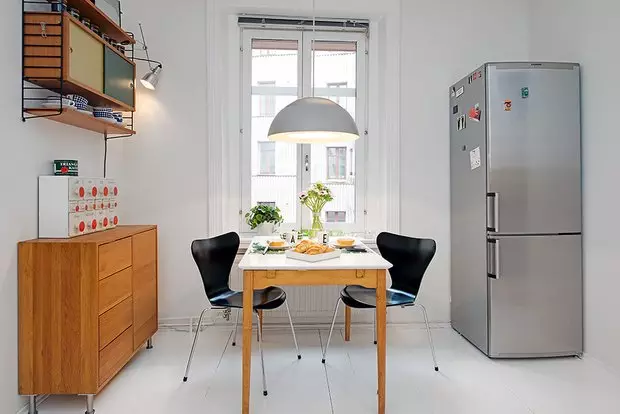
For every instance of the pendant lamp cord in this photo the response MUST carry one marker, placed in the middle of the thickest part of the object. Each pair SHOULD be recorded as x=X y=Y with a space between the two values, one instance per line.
x=313 y=45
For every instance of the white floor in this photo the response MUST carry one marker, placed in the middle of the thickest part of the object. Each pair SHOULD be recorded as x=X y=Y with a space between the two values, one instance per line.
x=468 y=383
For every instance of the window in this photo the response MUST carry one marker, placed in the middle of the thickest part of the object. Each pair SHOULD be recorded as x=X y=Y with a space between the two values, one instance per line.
x=267 y=157
x=277 y=69
x=336 y=85
x=267 y=103
x=336 y=163
x=336 y=216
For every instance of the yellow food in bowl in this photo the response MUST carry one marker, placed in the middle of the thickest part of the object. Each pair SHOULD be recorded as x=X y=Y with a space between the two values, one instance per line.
x=276 y=243
x=346 y=242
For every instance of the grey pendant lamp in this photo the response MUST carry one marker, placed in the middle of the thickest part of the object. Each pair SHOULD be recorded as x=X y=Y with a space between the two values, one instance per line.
x=313 y=120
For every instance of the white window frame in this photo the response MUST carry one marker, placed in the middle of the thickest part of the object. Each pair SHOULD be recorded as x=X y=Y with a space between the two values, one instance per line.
x=304 y=88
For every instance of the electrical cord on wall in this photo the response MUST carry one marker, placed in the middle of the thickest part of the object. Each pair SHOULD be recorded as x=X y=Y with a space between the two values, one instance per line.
x=105 y=156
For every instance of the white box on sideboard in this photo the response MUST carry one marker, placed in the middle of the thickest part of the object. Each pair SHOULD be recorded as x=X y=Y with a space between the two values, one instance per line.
x=73 y=206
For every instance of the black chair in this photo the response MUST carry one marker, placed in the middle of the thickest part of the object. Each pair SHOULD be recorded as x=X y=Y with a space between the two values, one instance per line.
x=214 y=258
x=410 y=258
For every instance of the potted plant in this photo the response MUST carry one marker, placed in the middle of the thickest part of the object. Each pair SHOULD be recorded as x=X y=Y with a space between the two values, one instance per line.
x=264 y=219
x=315 y=199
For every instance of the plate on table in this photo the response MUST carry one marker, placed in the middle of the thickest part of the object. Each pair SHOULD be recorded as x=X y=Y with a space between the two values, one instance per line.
x=278 y=245
x=345 y=243
x=313 y=257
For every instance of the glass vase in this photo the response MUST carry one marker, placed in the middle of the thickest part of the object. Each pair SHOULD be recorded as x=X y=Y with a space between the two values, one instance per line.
x=317 y=224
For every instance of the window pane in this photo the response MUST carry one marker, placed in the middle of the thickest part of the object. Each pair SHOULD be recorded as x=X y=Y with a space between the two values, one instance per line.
x=267 y=157
x=274 y=164
x=335 y=79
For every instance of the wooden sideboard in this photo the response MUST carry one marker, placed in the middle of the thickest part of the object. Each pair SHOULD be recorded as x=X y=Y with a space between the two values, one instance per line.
x=86 y=306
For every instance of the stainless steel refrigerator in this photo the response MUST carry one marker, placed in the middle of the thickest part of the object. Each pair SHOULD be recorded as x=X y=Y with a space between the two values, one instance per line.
x=515 y=170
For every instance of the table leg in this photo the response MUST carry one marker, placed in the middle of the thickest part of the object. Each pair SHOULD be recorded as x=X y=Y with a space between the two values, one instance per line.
x=347 y=323
x=381 y=339
x=248 y=291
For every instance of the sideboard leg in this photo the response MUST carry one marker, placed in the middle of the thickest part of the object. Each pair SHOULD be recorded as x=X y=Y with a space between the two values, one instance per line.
x=90 y=403
x=32 y=404
x=149 y=343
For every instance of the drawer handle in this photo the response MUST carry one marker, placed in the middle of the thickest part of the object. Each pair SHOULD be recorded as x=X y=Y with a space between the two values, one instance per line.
x=271 y=274
x=43 y=29
x=360 y=274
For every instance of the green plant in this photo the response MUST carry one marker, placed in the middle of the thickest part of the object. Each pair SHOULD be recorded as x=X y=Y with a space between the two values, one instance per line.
x=263 y=214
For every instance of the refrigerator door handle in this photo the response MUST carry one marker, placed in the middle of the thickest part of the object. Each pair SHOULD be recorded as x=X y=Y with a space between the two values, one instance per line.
x=493 y=258
x=493 y=212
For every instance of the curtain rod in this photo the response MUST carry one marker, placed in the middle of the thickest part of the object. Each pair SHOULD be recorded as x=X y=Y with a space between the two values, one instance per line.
x=302 y=23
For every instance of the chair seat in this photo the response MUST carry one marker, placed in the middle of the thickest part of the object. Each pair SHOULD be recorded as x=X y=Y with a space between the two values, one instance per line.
x=360 y=297
x=264 y=299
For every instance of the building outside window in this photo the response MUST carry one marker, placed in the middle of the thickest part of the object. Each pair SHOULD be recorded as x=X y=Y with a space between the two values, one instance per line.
x=267 y=103
x=267 y=157
x=336 y=216
x=336 y=163
x=336 y=85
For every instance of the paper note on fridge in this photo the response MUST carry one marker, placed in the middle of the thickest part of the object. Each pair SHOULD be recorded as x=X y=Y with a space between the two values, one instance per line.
x=474 y=158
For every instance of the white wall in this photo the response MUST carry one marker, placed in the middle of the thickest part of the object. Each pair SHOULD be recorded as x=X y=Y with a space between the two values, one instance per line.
x=166 y=163
x=588 y=33
x=26 y=151
x=442 y=42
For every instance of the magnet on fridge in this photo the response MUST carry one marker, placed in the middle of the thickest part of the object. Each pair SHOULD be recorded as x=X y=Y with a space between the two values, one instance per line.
x=453 y=93
x=507 y=105
x=475 y=113
x=460 y=91
x=461 y=123
x=525 y=92
x=455 y=109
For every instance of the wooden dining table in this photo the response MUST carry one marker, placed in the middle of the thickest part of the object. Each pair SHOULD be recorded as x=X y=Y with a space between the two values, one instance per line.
x=260 y=271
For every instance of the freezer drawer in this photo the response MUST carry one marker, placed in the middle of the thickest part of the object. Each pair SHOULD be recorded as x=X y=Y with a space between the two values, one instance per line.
x=535 y=299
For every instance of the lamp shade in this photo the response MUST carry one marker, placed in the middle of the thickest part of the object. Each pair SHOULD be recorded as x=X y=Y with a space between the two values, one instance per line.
x=151 y=79
x=313 y=121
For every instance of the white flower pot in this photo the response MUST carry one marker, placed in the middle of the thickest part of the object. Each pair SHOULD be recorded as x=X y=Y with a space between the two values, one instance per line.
x=265 y=229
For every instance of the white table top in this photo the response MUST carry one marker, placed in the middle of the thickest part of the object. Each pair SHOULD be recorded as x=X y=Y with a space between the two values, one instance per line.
x=257 y=261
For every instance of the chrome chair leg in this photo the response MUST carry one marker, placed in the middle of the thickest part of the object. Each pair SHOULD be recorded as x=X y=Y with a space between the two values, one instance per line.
x=331 y=330
x=290 y=320
x=260 y=347
x=374 y=326
x=430 y=337
x=191 y=353
x=234 y=342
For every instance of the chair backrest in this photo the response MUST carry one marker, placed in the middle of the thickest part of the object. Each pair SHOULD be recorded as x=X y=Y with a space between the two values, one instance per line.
x=410 y=258
x=215 y=258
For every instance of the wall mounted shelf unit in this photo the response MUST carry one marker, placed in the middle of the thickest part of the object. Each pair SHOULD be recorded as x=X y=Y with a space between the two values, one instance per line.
x=62 y=55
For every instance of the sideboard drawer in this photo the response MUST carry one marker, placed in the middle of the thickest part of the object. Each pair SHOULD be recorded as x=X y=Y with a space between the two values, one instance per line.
x=114 y=257
x=114 y=356
x=114 y=289
x=115 y=321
